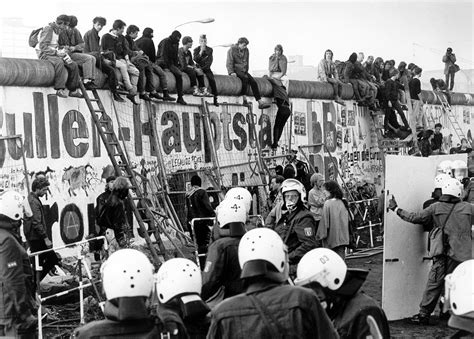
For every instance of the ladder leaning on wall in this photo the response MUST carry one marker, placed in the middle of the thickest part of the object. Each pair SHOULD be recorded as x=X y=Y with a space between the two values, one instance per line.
x=121 y=165
x=451 y=116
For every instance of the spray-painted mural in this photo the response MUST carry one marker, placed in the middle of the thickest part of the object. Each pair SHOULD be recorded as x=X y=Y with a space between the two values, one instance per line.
x=61 y=142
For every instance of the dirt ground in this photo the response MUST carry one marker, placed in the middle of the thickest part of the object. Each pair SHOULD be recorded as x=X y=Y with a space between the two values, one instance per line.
x=398 y=329
x=65 y=317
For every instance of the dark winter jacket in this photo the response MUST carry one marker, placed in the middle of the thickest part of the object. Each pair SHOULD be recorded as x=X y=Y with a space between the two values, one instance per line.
x=124 y=318
x=117 y=44
x=437 y=141
x=34 y=227
x=457 y=228
x=415 y=88
x=91 y=41
x=99 y=207
x=222 y=268
x=298 y=231
x=147 y=45
x=16 y=278
x=204 y=60
x=297 y=313
x=237 y=60
x=197 y=201
x=192 y=326
x=391 y=89
x=168 y=51
x=185 y=59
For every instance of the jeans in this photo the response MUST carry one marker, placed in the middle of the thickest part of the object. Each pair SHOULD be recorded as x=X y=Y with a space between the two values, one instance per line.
x=193 y=76
x=60 y=71
x=212 y=81
x=87 y=63
x=179 y=79
x=246 y=78
x=337 y=87
x=145 y=78
x=448 y=76
x=355 y=88
x=162 y=76
x=129 y=75
x=400 y=112
x=442 y=266
x=282 y=115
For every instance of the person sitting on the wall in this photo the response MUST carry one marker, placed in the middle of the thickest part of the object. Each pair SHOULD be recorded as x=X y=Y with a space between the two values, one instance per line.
x=203 y=59
x=463 y=148
x=188 y=66
x=238 y=65
x=277 y=65
x=327 y=72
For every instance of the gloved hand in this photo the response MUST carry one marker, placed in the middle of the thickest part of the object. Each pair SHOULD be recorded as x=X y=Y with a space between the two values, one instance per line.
x=392 y=203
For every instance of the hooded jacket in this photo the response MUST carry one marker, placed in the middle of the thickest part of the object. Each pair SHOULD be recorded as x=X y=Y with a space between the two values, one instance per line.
x=16 y=278
x=457 y=227
x=168 y=51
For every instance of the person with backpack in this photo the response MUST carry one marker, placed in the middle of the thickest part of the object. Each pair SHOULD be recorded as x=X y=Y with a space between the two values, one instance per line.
x=269 y=308
x=451 y=240
x=48 y=48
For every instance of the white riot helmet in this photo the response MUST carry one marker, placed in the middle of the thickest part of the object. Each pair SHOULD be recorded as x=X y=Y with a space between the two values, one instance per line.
x=231 y=217
x=12 y=205
x=452 y=187
x=440 y=179
x=445 y=167
x=176 y=277
x=263 y=253
x=323 y=266
x=460 y=289
x=240 y=194
x=459 y=169
x=127 y=273
x=293 y=185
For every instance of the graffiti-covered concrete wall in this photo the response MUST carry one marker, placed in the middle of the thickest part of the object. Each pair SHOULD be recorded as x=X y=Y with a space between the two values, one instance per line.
x=61 y=142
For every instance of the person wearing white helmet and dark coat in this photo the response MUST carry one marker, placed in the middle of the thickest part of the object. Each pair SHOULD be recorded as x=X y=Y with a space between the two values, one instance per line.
x=127 y=280
x=338 y=289
x=181 y=312
x=459 y=295
x=268 y=308
x=222 y=269
x=454 y=218
x=296 y=226
x=16 y=275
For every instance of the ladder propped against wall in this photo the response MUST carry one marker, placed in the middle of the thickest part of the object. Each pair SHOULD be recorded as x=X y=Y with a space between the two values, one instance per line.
x=451 y=116
x=122 y=167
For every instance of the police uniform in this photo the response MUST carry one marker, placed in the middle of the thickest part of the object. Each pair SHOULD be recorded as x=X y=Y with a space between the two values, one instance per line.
x=16 y=284
x=285 y=312
x=174 y=325
x=222 y=268
x=298 y=231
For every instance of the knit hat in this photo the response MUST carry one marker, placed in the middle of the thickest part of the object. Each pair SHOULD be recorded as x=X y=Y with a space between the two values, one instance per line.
x=186 y=40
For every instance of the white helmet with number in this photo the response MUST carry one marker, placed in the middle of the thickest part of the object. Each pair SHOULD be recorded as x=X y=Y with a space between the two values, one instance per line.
x=127 y=273
x=230 y=211
x=460 y=289
x=459 y=169
x=240 y=194
x=11 y=205
x=444 y=166
x=323 y=266
x=177 y=276
x=263 y=253
x=440 y=179
x=452 y=187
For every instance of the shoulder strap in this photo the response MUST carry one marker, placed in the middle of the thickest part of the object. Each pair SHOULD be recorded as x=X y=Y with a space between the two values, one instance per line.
x=270 y=322
x=452 y=208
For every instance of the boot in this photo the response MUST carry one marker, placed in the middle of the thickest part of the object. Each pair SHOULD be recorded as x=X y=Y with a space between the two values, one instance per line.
x=216 y=103
x=181 y=101
x=62 y=93
x=145 y=97
x=131 y=97
x=155 y=95
x=90 y=85
x=262 y=104
x=167 y=97
x=76 y=94
x=117 y=97
x=419 y=319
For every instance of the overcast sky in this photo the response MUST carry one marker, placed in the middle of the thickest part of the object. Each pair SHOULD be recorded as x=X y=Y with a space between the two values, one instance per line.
x=413 y=31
